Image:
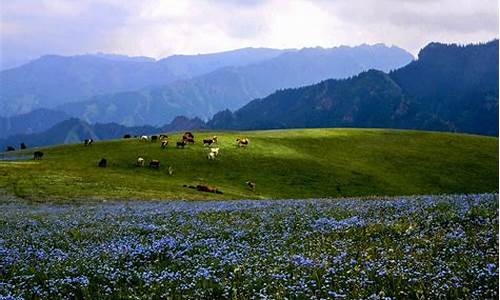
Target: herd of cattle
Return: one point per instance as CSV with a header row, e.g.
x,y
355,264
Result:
x,y
187,139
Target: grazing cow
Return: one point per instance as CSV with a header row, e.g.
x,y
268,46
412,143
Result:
x,y
204,188
23,146
154,138
88,142
163,136
164,144
188,137
243,142
144,138
154,164
37,155
10,148
251,185
181,144
214,152
140,162
103,163
127,136
208,142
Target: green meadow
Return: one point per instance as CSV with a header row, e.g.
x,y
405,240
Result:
x,y
308,163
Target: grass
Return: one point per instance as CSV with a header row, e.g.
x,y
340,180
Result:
x,y
284,164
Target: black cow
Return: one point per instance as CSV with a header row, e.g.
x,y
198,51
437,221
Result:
x,y
127,136
208,142
23,146
10,148
164,144
154,164
88,142
37,155
154,138
181,144
103,163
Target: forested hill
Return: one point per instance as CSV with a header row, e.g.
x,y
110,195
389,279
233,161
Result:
x,y
448,88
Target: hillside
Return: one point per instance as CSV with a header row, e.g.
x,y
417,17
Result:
x,y
449,88
233,87
283,164
72,131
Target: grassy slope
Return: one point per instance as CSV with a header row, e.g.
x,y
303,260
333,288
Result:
x,y
284,164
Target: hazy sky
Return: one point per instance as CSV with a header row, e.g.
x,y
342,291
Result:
x,y
158,28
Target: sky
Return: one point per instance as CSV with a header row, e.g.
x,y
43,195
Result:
x,y
159,28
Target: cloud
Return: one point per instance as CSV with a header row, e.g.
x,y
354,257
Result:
x,y
159,28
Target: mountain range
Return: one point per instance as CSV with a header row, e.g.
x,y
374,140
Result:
x,y
234,86
448,88
54,80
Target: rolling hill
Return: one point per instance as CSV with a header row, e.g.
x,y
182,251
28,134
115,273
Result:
x,y
234,86
73,131
449,88
282,163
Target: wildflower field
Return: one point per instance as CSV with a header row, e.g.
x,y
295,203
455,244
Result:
x,y
415,247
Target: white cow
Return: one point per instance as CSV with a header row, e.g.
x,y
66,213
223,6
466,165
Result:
x,y
214,152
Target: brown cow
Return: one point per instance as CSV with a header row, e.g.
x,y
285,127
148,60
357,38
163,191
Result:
x,y
204,188
188,137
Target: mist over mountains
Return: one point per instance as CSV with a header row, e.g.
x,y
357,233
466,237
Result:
x,y
106,88
54,80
